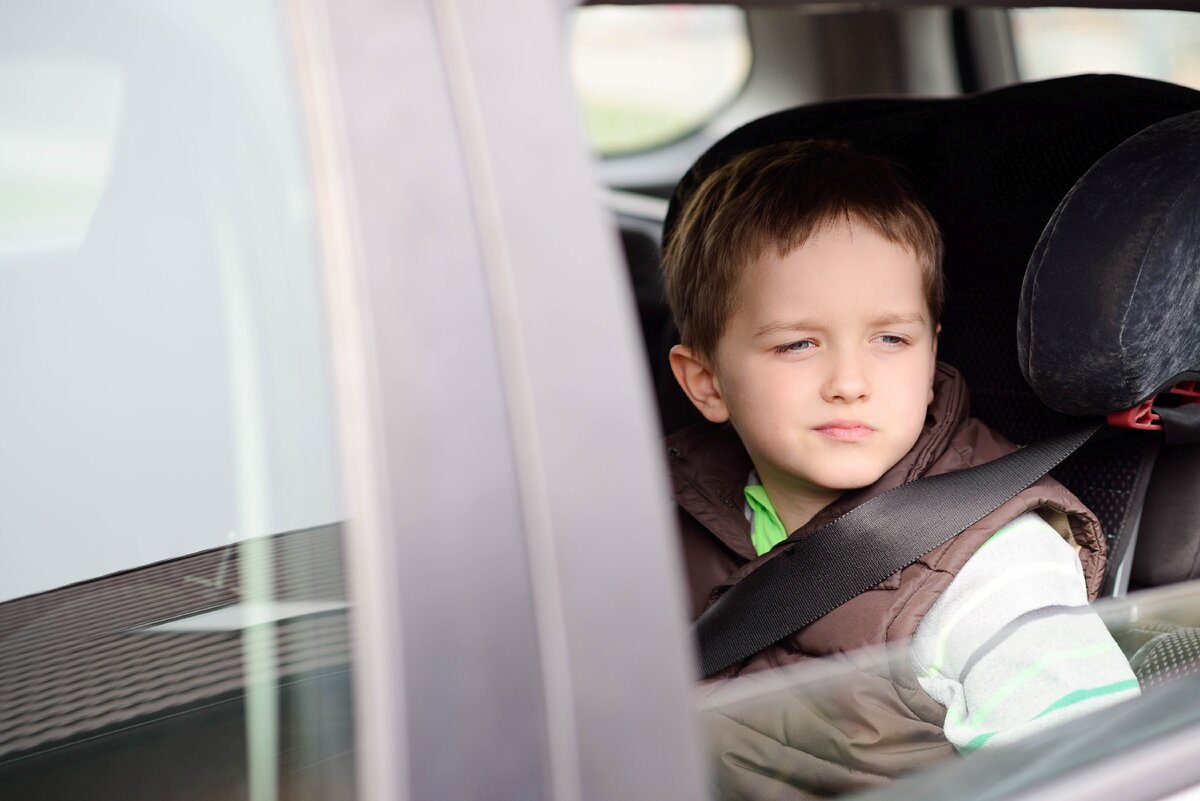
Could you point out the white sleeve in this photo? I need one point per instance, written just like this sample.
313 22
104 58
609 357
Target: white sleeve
1011 647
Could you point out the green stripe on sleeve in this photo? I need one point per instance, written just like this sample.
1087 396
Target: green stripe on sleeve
978 741
1091 692
975 718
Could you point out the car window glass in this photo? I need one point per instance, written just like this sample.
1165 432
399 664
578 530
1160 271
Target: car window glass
172 606
823 724
1052 42
646 76
58 136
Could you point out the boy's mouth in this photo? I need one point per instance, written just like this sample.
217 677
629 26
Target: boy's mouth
846 430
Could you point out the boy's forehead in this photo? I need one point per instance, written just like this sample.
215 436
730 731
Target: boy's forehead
839 254
837 271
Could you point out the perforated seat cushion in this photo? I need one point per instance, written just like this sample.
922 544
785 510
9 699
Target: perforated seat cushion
991 168
1170 653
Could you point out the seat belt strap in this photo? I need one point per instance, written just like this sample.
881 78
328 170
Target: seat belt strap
809 578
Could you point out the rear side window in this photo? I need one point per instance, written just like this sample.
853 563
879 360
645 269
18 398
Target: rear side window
647 76
1164 45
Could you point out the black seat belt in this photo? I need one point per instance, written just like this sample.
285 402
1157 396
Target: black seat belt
811 577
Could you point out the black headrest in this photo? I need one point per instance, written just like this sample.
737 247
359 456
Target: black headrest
1110 306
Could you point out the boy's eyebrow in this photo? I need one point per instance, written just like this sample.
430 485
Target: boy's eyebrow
795 325
808 324
898 319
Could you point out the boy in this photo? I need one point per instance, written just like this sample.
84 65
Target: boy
806 282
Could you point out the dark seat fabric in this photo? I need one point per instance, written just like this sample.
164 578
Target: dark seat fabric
992 168
640 248
1168 548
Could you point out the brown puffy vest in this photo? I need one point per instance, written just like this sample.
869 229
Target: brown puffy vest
879 723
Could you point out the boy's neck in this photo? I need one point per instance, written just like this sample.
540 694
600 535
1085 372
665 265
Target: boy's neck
795 504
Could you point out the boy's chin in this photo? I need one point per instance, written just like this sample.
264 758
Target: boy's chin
846 480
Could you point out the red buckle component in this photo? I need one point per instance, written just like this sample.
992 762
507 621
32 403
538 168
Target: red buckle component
1143 417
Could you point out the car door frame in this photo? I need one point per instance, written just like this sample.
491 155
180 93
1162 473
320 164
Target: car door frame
518 607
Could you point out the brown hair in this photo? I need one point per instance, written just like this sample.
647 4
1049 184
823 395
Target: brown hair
776 197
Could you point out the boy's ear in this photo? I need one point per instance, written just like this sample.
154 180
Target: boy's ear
933 362
699 381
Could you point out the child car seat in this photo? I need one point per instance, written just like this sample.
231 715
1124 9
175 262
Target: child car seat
991 168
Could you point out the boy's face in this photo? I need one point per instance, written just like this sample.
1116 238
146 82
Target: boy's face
826 367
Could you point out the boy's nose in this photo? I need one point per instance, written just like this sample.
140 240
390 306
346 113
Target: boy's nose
846 380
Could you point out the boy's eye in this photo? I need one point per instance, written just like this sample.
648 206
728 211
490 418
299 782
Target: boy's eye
796 347
891 340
